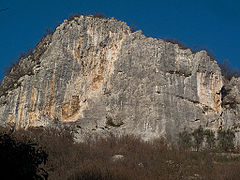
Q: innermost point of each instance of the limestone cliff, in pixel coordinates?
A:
(97, 76)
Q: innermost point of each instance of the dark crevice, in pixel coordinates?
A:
(224, 92)
(190, 100)
(110, 122)
(203, 106)
(180, 73)
(228, 100)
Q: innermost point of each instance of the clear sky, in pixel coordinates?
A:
(203, 23)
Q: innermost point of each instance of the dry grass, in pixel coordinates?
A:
(142, 160)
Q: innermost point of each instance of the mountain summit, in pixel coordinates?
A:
(97, 76)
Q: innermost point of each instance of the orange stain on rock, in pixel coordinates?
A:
(78, 50)
(49, 108)
(209, 94)
(11, 120)
(71, 108)
(32, 100)
(20, 111)
(96, 81)
(32, 118)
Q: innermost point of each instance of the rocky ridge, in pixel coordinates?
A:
(95, 75)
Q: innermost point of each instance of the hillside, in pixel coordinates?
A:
(96, 76)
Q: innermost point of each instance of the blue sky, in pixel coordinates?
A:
(214, 24)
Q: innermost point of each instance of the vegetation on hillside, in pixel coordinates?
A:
(95, 15)
(227, 71)
(201, 139)
(194, 50)
(21, 160)
(24, 64)
(53, 154)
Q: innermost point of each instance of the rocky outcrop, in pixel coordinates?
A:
(231, 106)
(99, 77)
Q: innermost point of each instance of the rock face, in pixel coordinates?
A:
(97, 76)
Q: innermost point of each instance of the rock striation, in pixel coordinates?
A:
(97, 76)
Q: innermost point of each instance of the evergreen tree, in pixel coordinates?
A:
(226, 140)
(185, 140)
(210, 138)
(198, 137)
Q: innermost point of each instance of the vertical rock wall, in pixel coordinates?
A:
(72, 72)
(99, 77)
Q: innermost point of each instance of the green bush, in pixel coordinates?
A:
(210, 138)
(225, 140)
(185, 140)
(198, 137)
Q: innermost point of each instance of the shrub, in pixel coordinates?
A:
(72, 16)
(99, 15)
(14, 67)
(58, 143)
(48, 31)
(185, 140)
(209, 52)
(109, 122)
(210, 138)
(175, 41)
(198, 137)
(96, 171)
(95, 15)
(225, 140)
(142, 160)
(22, 66)
(8, 69)
(195, 49)
(132, 28)
(227, 71)
(21, 160)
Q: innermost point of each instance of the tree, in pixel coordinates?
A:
(227, 71)
(185, 140)
(210, 138)
(133, 28)
(198, 137)
(20, 160)
(226, 140)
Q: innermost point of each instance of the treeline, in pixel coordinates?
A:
(227, 71)
(201, 139)
(40, 153)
